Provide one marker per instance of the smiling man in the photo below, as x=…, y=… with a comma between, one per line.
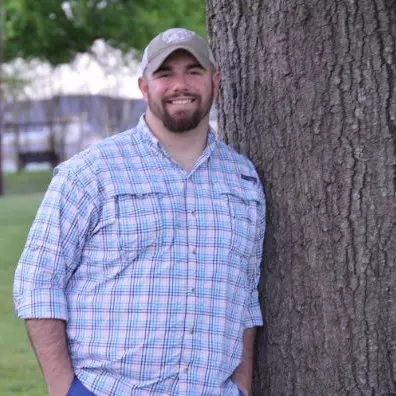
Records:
x=140, y=272
x=180, y=92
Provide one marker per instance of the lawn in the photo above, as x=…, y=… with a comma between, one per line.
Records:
x=19, y=373
x=26, y=182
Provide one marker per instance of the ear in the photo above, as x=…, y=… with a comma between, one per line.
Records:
x=216, y=80
x=143, y=86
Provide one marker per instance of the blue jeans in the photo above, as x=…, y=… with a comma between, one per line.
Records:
x=78, y=389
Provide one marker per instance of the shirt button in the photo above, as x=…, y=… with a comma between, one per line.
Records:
x=185, y=370
x=192, y=212
x=193, y=290
x=194, y=251
x=191, y=331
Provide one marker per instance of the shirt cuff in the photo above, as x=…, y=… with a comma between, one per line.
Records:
x=41, y=304
x=253, y=315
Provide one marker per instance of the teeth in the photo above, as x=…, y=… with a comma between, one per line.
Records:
x=182, y=101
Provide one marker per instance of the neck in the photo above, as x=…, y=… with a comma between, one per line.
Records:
x=184, y=147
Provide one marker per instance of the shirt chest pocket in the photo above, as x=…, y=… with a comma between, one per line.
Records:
x=242, y=208
x=144, y=221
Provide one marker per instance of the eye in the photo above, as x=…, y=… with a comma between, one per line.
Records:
x=196, y=71
x=162, y=74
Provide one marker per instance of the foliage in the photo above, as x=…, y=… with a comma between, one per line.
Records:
x=57, y=30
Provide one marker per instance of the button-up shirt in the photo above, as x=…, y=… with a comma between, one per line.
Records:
x=153, y=268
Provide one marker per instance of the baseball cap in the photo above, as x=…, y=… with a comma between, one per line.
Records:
x=161, y=46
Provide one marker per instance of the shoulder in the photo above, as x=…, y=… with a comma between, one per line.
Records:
x=239, y=173
x=101, y=165
x=235, y=160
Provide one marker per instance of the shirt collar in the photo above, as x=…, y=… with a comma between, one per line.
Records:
x=145, y=132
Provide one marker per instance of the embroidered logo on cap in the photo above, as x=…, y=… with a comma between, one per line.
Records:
x=176, y=35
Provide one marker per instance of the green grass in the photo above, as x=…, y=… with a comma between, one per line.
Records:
x=26, y=182
x=19, y=372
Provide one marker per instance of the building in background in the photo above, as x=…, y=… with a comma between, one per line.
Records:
x=63, y=125
x=42, y=133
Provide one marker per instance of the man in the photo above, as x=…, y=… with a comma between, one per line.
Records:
x=140, y=272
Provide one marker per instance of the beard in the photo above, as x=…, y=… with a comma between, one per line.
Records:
x=184, y=121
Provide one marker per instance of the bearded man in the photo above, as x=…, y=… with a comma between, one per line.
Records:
x=139, y=275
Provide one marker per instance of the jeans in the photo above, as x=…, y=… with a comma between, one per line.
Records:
x=78, y=389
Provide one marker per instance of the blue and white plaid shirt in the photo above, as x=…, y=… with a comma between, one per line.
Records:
x=154, y=269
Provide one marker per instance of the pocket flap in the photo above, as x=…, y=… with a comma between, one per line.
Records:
x=142, y=188
x=243, y=191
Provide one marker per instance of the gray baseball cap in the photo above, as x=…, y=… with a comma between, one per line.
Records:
x=167, y=42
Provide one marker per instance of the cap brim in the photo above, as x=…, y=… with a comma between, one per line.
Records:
x=160, y=59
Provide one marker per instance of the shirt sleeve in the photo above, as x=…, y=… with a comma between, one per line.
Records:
x=52, y=250
x=254, y=316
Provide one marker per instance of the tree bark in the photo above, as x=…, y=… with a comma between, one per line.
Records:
x=308, y=93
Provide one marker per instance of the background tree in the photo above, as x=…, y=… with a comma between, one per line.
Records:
x=56, y=30
x=308, y=92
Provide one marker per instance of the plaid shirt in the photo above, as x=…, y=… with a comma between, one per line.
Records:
x=153, y=268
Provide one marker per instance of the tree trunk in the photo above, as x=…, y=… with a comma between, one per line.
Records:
x=308, y=93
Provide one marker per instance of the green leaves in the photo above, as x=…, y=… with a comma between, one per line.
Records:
x=57, y=30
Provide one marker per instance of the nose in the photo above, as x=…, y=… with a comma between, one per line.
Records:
x=179, y=82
